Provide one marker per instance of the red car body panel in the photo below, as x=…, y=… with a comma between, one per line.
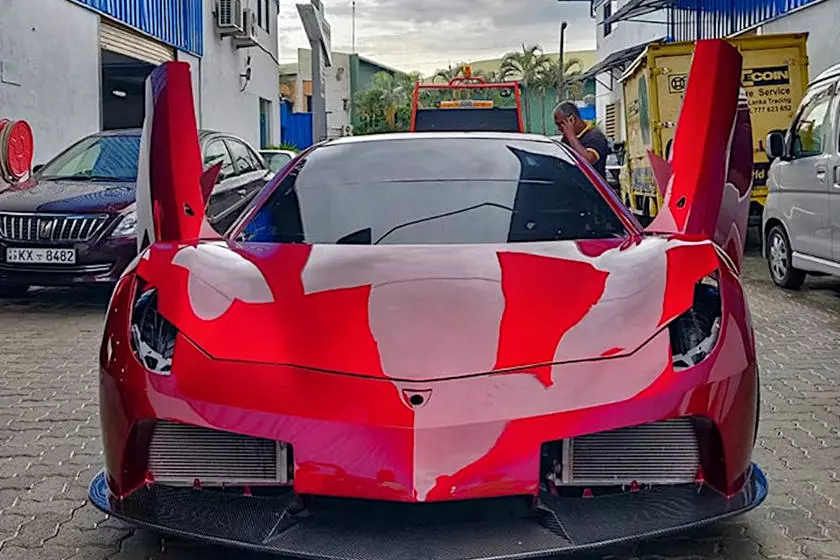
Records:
x=510, y=346
x=712, y=147
x=171, y=192
x=324, y=366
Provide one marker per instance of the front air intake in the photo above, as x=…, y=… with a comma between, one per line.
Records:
x=180, y=454
x=663, y=452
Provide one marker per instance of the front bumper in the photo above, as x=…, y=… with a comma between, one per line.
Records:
x=509, y=528
x=97, y=262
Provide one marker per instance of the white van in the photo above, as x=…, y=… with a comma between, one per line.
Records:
x=801, y=223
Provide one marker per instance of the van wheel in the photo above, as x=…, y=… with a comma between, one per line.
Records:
x=779, y=261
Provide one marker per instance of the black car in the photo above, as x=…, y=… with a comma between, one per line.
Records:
x=74, y=222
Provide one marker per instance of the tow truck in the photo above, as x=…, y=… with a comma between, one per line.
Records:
x=465, y=115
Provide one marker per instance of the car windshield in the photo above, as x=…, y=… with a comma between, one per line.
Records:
x=436, y=190
x=106, y=158
x=276, y=160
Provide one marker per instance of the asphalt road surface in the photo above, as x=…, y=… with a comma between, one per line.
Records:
x=50, y=448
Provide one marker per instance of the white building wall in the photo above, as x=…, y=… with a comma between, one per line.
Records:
x=821, y=21
x=304, y=75
x=624, y=35
x=338, y=95
x=195, y=75
x=49, y=71
x=225, y=105
x=50, y=74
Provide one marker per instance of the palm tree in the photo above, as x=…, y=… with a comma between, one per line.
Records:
x=569, y=85
x=490, y=76
x=528, y=65
x=544, y=83
x=405, y=83
x=449, y=73
x=393, y=92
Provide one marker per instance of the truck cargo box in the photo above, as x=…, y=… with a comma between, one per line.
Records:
x=775, y=76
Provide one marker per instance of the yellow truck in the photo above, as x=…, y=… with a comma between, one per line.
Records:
x=775, y=76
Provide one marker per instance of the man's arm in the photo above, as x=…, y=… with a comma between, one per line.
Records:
x=590, y=154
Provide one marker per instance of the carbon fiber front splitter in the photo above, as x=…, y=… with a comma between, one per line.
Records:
x=505, y=528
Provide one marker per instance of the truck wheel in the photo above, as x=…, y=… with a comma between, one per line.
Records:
x=779, y=260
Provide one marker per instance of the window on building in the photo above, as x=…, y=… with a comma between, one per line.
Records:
x=265, y=122
x=267, y=12
x=308, y=103
x=260, y=13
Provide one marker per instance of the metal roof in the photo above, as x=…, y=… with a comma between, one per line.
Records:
x=832, y=72
x=637, y=8
x=618, y=59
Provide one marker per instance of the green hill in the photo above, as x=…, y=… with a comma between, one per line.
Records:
x=587, y=58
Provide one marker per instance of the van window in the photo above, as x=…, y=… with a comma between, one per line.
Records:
x=810, y=128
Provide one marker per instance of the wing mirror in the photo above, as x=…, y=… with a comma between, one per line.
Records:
x=775, y=146
x=37, y=168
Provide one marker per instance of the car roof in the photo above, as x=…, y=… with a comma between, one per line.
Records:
x=439, y=135
x=139, y=131
x=832, y=72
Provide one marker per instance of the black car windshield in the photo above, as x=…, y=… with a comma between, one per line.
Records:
x=106, y=158
x=434, y=190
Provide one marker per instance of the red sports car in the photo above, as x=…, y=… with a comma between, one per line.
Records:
x=449, y=346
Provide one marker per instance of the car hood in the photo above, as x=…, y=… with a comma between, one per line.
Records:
x=67, y=196
x=423, y=313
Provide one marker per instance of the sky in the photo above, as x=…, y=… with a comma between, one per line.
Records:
x=425, y=35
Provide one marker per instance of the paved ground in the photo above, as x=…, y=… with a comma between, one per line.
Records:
x=49, y=435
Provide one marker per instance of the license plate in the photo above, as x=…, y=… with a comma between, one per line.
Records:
x=40, y=256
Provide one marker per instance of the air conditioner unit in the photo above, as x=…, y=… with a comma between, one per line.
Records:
x=248, y=37
x=229, y=16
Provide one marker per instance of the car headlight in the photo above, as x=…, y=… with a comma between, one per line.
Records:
x=152, y=336
x=127, y=226
x=695, y=332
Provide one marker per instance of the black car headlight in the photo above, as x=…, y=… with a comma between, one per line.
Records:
x=152, y=336
x=695, y=332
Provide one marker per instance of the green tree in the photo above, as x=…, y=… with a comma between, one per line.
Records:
x=569, y=84
x=449, y=73
x=565, y=86
x=528, y=65
x=544, y=83
x=370, y=108
x=385, y=105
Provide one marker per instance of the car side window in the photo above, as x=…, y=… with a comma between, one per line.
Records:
x=216, y=152
x=809, y=132
x=243, y=159
x=258, y=160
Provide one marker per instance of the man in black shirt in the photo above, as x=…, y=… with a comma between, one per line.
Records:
x=581, y=136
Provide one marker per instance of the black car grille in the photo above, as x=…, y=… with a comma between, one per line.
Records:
x=660, y=453
x=179, y=454
x=51, y=228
